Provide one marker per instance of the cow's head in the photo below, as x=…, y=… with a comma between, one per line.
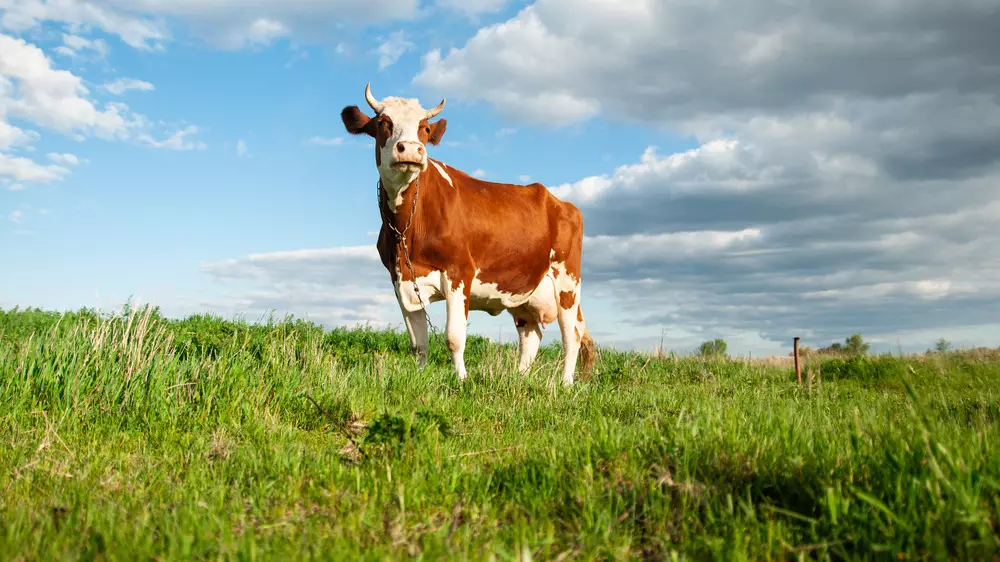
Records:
x=401, y=130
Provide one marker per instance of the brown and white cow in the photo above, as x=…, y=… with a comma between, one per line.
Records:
x=476, y=245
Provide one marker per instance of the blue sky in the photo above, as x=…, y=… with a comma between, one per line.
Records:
x=730, y=187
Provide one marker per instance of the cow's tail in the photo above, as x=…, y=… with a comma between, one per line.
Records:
x=588, y=351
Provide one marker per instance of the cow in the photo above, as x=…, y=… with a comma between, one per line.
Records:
x=475, y=244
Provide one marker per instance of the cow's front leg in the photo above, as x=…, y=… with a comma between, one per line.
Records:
x=457, y=301
x=416, y=327
x=529, y=338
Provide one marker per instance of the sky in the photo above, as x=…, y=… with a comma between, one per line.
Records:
x=754, y=171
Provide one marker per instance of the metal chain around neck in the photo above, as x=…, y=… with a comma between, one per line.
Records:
x=401, y=238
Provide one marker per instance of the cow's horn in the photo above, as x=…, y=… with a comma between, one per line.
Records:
x=378, y=107
x=432, y=112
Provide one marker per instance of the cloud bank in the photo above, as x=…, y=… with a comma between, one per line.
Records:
x=151, y=24
x=847, y=173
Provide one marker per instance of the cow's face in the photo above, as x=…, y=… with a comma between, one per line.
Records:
x=402, y=131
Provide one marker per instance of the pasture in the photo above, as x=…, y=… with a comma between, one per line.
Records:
x=137, y=437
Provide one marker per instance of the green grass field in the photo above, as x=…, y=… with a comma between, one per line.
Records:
x=139, y=438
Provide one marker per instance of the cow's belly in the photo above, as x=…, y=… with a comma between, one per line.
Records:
x=539, y=305
x=488, y=298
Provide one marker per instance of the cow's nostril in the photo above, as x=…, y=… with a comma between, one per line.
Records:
x=420, y=150
x=400, y=147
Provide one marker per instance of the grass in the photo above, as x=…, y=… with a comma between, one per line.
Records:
x=136, y=437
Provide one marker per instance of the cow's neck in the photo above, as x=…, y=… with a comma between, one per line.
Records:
x=397, y=187
x=394, y=211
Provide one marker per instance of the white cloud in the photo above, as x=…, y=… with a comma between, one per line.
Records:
x=122, y=85
x=334, y=286
x=299, y=57
x=177, y=141
x=66, y=158
x=263, y=30
x=392, y=48
x=718, y=166
x=34, y=91
x=11, y=136
x=775, y=243
x=15, y=216
x=479, y=173
x=320, y=263
x=523, y=45
x=78, y=43
x=139, y=32
x=74, y=44
x=582, y=190
x=20, y=169
x=143, y=24
x=672, y=61
x=15, y=186
x=241, y=147
x=643, y=247
x=340, y=286
x=506, y=131
x=260, y=32
x=324, y=141
x=52, y=98
x=524, y=179
x=472, y=7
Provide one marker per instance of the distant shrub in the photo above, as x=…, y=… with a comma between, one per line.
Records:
x=712, y=348
x=942, y=345
x=855, y=345
x=863, y=368
x=18, y=324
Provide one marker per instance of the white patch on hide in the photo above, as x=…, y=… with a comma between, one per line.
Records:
x=539, y=305
x=443, y=173
x=431, y=291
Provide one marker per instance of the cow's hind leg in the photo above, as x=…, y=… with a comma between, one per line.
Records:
x=529, y=338
x=571, y=339
x=570, y=324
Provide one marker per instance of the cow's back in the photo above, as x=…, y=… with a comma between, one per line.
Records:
x=508, y=230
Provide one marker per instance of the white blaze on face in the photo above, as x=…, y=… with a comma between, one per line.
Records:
x=400, y=167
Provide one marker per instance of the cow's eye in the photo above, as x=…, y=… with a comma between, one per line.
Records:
x=427, y=130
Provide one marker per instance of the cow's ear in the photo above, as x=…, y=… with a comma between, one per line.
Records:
x=437, y=131
x=356, y=122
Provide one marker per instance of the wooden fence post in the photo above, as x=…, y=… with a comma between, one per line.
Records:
x=798, y=368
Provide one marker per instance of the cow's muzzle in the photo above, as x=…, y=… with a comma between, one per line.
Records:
x=409, y=156
x=405, y=166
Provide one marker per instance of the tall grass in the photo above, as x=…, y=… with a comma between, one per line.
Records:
x=136, y=437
